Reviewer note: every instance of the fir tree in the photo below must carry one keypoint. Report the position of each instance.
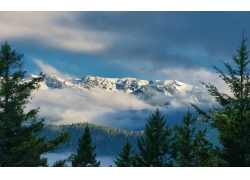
(154, 145)
(125, 158)
(183, 142)
(20, 141)
(190, 148)
(231, 119)
(206, 154)
(85, 156)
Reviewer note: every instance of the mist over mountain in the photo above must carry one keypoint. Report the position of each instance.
(124, 103)
(146, 89)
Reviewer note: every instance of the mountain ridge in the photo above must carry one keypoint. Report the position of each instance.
(144, 89)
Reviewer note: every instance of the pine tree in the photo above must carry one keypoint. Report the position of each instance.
(183, 142)
(207, 155)
(125, 158)
(190, 148)
(154, 145)
(85, 156)
(20, 141)
(231, 119)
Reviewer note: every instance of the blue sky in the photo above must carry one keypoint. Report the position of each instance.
(146, 45)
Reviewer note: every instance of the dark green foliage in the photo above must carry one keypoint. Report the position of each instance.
(125, 158)
(154, 145)
(207, 155)
(183, 148)
(60, 163)
(63, 162)
(108, 140)
(20, 140)
(231, 119)
(190, 148)
(85, 156)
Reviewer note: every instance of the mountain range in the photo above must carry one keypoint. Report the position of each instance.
(146, 90)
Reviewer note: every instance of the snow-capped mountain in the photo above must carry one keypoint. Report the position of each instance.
(127, 85)
(145, 89)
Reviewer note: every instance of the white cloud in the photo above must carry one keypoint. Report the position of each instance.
(51, 29)
(194, 76)
(48, 69)
(96, 106)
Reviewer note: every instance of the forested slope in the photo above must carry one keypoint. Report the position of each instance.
(108, 140)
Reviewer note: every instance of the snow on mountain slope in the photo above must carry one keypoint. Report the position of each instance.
(145, 89)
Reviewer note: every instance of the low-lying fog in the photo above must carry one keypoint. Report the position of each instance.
(106, 161)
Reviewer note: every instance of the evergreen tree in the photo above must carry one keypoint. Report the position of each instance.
(231, 119)
(125, 158)
(206, 154)
(190, 148)
(85, 156)
(20, 141)
(63, 162)
(154, 145)
(183, 142)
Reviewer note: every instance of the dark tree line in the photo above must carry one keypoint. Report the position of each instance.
(161, 146)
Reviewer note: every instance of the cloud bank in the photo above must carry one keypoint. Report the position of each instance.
(195, 77)
(48, 69)
(119, 109)
(95, 106)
